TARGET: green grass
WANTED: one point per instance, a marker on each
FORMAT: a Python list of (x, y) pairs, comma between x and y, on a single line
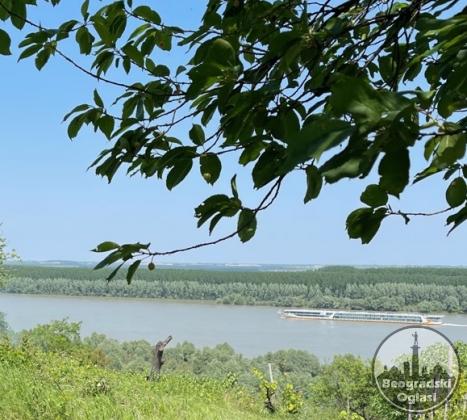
[(37, 385), (49, 386)]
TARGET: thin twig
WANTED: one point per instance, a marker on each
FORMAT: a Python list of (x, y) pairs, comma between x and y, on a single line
[(274, 191)]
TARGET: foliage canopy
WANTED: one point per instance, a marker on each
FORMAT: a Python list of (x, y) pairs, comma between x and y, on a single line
[(5, 255), (333, 89)]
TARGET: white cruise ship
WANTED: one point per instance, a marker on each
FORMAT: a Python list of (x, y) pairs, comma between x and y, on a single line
[(367, 316)]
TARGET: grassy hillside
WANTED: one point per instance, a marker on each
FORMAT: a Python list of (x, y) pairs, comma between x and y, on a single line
[(50, 373), (48, 386)]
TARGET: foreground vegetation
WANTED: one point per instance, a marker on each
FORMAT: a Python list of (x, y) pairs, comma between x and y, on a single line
[(393, 289), (37, 385), (51, 372)]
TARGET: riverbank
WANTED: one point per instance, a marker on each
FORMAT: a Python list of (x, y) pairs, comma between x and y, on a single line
[(410, 290)]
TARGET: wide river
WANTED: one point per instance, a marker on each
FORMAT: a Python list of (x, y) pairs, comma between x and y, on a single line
[(251, 330)]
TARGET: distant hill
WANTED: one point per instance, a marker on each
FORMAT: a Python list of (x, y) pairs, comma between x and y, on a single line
[(183, 266)]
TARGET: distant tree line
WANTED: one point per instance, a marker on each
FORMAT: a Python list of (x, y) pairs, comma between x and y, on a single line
[(389, 289)]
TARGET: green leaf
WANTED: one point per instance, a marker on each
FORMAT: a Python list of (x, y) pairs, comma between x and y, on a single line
[(177, 153), (394, 171), (132, 270), (161, 71), (178, 173), (106, 124), (364, 223), (197, 135), (387, 66), (355, 160), (456, 192), (147, 13), (450, 172), (233, 186), (132, 52), (210, 167), (374, 196), (212, 205), (208, 113), (286, 125), (18, 15), (180, 69), (84, 40), (268, 166), (106, 246), (457, 219), (317, 136), (126, 63), (140, 109), (74, 126), (5, 43), (84, 9), (355, 96), (215, 220), (39, 37), (314, 182), (425, 97), (102, 28), (340, 167), (164, 39), (29, 51), (65, 28), (114, 272), (97, 99), (251, 152), (427, 172), (78, 108), (41, 58), (147, 48), (218, 203), (110, 259), (356, 221), (430, 146), (246, 225), (451, 148)]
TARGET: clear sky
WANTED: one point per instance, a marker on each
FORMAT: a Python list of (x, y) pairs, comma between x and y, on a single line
[(52, 208)]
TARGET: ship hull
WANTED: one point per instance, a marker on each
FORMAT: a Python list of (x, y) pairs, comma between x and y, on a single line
[(347, 317)]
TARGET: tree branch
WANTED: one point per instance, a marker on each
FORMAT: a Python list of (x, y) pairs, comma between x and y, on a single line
[(406, 215), (274, 192)]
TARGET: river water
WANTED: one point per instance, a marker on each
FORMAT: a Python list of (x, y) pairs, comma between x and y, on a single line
[(250, 330)]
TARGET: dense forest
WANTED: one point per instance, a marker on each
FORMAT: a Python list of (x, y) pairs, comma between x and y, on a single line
[(392, 289), (50, 371)]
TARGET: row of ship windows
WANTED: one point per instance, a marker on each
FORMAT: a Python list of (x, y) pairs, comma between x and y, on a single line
[(360, 316), (307, 314), (384, 318)]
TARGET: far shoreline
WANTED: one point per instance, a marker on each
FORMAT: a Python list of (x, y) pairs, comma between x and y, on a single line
[(207, 302)]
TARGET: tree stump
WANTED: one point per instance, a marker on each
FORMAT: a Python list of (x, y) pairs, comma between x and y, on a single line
[(157, 360)]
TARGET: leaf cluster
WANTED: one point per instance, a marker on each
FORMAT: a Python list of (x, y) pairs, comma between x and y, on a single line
[(336, 91)]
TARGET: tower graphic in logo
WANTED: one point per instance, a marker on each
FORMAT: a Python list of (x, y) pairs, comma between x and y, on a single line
[(424, 369), (415, 357)]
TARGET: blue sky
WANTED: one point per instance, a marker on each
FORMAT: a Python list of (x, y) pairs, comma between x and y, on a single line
[(52, 208)]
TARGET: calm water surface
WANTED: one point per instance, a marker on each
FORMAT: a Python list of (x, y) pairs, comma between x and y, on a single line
[(251, 330)]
